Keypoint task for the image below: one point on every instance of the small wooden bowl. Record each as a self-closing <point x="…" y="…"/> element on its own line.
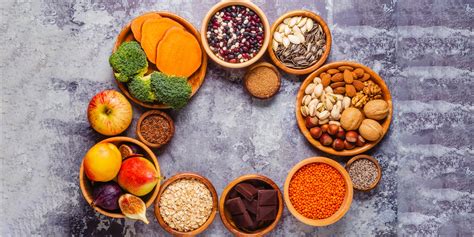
<point x="226" y="218"/>
<point x="323" y="58"/>
<point x="346" y="204"/>
<point x="262" y="64"/>
<point x="194" y="80"/>
<point x="139" y="129"/>
<point x="187" y="175"/>
<point x="86" y="185"/>
<point x="379" y="170"/>
<point x="226" y="3"/>
<point x="301" y="122"/>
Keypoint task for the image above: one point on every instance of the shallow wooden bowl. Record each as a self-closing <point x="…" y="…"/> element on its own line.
<point x="226" y="3"/>
<point x="346" y="204"/>
<point x="301" y="122"/>
<point x="379" y="170"/>
<point x="194" y="80"/>
<point x="139" y="129"/>
<point x="187" y="175"/>
<point x="226" y="217"/>
<point x="323" y="58"/>
<point x="86" y="185"/>
<point x="257" y="65"/>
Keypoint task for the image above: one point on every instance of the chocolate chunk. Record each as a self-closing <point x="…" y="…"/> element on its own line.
<point x="251" y="206"/>
<point x="244" y="221"/>
<point x="266" y="213"/>
<point x="267" y="198"/>
<point x="235" y="206"/>
<point x="248" y="191"/>
<point x="233" y="194"/>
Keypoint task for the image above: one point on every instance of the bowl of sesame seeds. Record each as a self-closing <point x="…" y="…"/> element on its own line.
<point x="235" y="34"/>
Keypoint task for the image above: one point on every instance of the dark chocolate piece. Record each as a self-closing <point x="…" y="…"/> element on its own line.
<point x="267" y="198"/>
<point x="235" y="206"/>
<point x="266" y="213"/>
<point x="244" y="221"/>
<point x="233" y="194"/>
<point x="251" y="206"/>
<point x="247" y="190"/>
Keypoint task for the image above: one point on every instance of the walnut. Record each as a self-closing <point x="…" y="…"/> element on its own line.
<point x="360" y="99"/>
<point x="371" y="89"/>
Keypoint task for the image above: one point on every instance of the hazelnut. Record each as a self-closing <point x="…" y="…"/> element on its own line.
<point x="316" y="132"/>
<point x="351" y="136"/>
<point x="338" y="144"/>
<point x="348" y="145"/>
<point x="325" y="139"/>
<point x="332" y="129"/>
<point x="325" y="127"/>
<point x="341" y="133"/>
<point x="351" y="118"/>
<point x="311" y="121"/>
<point x="371" y="130"/>
<point x="360" y="141"/>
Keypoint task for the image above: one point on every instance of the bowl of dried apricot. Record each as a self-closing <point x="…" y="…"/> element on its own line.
<point x="344" y="108"/>
<point x="318" y="191"/>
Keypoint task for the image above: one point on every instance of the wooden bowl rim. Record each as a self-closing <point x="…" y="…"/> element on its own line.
<point x="200" y="72"/>
<point x="226" y="191"/>
<point x="172" y="179"/>
<point x="358" y="150"/>
<point x="246" y="3"/>
<point x="346" y="204"/>
<point x="321" y="60"/>
<point x="257" y="65"/>
<point x="139" y="131"/>
<point x="371" y="158"/>
<point x="149" y="153"/>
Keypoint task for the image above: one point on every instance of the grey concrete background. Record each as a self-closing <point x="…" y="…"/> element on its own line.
<point x="54" y="58"/>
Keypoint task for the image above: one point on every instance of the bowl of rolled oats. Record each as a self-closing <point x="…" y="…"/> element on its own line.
<point x="186" y="204"/>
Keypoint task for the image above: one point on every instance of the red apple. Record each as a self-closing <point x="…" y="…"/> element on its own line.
<point x="138" y="176"/>
<point x="109" y="112"/>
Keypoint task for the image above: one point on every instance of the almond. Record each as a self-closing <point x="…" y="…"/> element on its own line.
<point x="340" y="90"/>
<point x="337" y="84"/>
<point x="326" y="80"/>
<point x="337" y="77"/>
<point x="365" y="77"/>
<point x="348" y="78"/>
<point x="358" y="85"/>
<point x="343" y="68"/>
<point x="350" y="90"/>
<point x="359" y="72"/>
<point x="332" y="71"/>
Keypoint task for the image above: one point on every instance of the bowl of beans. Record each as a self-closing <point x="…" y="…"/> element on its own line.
<point x="318" y="191"/>
<point x="235" y="34"/>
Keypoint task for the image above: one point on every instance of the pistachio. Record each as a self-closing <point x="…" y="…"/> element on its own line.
<point x="304" y="111"/>
<point x="310" y="88"/>
<point x="346" y="102"/>
<point x="313" y="102"/>
<point x="325" y="121"/>
<point x="317" y="80"/>
<point x="318" y="90"/>
<point x="328" y="104"/>
<point x="306" y="99"/>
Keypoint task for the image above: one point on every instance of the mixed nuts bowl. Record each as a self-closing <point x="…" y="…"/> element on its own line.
<point x="344" y="108"/>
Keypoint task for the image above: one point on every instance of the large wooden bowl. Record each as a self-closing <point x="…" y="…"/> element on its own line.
<point x="377" y="165"/>
<point x="86" y="184"/>
<point x="301" y="123"/>
<point x="226" y="217"/>
<point x="226" y="3"/>
<point x="174" y="178"/>
<point x="194" y="80"/>
<point x="317" y="19"/>
<point x="346" y="204"/>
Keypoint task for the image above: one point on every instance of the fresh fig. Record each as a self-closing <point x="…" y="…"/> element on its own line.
<point x="133" y="207"/>
<point x="128" y="150"/>
<point x="106" y="195"/>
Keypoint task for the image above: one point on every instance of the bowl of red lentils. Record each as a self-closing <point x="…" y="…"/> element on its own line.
<point x="235" y="34"/>
<point x="318" y="191"/>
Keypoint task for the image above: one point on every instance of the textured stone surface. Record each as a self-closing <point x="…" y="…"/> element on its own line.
<point x="53" y="59"/>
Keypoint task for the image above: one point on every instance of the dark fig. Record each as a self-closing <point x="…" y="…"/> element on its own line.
<point x="128" y="150"/>
<point x="106" y="195"/>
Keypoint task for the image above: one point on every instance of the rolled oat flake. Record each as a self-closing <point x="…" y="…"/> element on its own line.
<point x="363" y="173"/>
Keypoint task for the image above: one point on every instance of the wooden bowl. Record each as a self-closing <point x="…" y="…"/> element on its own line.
<point x="194" y="80"/>
<point x="174" y="178"/>
<point x="323" y="58"/>
<point x="301" y="122"/>
<point x="379" y="170"/>
<point x="226" y="218"/>
<point x="86" y="185"/>
<point x="346" y="204"/>
<point x="257" y="65"/>
<point x="139" y="128"/>
<point x="226" y="3"/>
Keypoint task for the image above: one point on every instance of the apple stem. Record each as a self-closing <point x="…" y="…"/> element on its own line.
<point x="107" y="110"/>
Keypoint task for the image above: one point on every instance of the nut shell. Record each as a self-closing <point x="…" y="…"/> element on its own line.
<point x="371" y="130"/>
<point x="351" y="119"/>
<point x="376" y="109"/>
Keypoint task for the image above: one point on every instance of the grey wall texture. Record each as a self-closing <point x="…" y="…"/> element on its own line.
<point x="54" y="58"/>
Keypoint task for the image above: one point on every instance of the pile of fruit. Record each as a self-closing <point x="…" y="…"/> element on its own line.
<point x="119" y="177"/>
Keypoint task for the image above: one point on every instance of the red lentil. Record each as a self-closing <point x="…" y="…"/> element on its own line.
<point x="317" y="190"/>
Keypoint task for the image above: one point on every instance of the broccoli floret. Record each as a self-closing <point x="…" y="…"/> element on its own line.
<point x="171" y="90"/>
<point x="140" y="88"/>
<point x="128" y="61"/>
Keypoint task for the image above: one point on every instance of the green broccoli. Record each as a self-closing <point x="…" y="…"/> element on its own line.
<point x="140" y="88"/>
<point x="128" y="61"/>
<point x="171" y="90"/>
